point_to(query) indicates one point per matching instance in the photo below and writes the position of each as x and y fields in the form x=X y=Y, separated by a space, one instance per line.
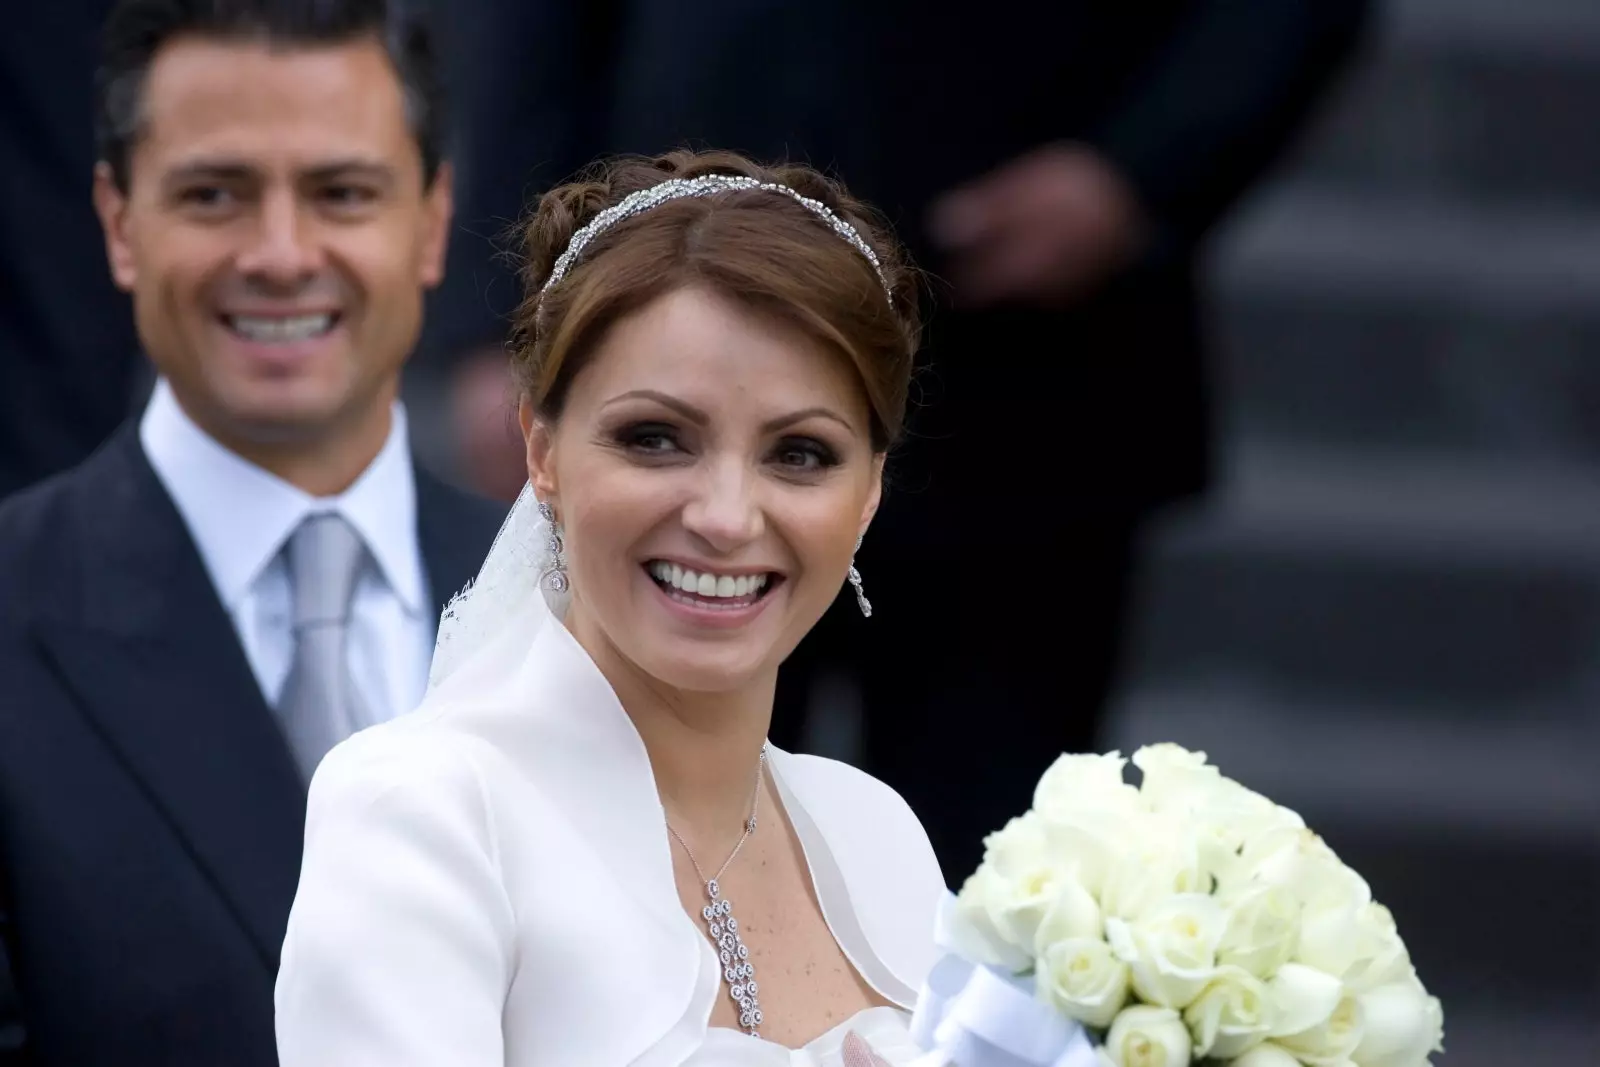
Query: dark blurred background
x=1386 y=611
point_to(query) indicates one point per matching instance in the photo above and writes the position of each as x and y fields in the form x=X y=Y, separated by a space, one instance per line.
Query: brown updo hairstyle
x=757 y=247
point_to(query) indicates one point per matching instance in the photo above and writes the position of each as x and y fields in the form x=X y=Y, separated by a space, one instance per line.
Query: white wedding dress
x=883 y=1029
x=488 y=882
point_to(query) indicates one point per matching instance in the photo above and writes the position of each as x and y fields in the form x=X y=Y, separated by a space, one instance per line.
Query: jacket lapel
x=550 y=714
x=153 y=661
x=455 y=532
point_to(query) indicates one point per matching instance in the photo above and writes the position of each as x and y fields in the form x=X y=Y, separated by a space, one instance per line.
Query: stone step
x=1488 y=1036
x=1527 y=782
x=1478 y=97
x=1473 y=586
x=1410 y=322
x=1537 y=30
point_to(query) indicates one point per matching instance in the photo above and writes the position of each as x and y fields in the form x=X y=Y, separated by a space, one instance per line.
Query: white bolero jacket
x=487 y=883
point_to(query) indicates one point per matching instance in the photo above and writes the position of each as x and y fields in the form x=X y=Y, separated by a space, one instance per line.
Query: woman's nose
x=725 y=512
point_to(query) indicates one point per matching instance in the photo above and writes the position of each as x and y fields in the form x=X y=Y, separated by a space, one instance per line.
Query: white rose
x=1228 y=815
x=1332 y=1042
x=1074 y=783
x=1302 y=998
x=1390 y=960
x=1403 y=1025
x=1072 y=915
x=1083 y=980
x=1033 y=880
x=1171 y=950
x=1231 y=1016
x=973 y=932
x=1268 y=1055
x=1148 y=1037
x=1263 y=930
x=1354 y=940
x=1230 y=819
x=1160 y=858
x=1173 y=778
x=1020 y=844
x=1087 y=810
x=1179 y=781
x=1298 y=860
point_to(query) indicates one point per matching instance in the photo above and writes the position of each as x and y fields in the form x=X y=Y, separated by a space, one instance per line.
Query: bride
x=581 y=850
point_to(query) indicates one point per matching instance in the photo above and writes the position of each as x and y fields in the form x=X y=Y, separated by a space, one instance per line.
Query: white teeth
x=280 y=330
x=720 y=586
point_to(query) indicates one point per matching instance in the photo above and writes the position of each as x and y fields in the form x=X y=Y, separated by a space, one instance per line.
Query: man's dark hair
x=137 y=29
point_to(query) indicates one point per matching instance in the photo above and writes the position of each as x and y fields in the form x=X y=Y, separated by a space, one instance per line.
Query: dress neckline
x=885 y=1028
x=833 y=895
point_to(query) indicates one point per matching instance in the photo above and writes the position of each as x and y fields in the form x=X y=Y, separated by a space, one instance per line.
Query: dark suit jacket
x=1102 y=406
x=150 y=815
x=70 y=365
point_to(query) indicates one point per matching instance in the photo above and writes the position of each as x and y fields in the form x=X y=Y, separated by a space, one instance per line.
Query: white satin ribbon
x=971 y=1016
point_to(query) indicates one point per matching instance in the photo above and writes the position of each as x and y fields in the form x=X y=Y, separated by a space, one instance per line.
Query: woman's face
x=712 y=470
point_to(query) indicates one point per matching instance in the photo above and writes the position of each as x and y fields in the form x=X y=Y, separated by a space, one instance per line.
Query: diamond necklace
x=737 y=970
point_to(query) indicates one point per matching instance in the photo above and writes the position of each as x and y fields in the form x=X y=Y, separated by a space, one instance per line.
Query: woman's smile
x=705 y=597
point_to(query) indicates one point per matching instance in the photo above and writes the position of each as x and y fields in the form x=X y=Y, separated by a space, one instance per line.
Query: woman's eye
x=653 y=439
x=805 y=455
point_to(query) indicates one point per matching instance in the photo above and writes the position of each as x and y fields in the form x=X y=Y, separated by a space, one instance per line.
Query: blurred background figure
x=254 y=568
x=70 y=369
x=1056 y=168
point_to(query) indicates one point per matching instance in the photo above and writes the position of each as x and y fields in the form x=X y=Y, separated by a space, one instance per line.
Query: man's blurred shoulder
x=42 y=526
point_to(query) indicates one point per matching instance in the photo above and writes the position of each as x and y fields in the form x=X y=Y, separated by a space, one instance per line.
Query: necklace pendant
x=737 y=971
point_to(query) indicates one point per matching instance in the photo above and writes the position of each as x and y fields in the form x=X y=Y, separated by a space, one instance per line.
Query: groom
x=254 y=569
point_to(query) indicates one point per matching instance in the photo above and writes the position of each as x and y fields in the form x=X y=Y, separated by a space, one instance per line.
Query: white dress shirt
x=240 y=517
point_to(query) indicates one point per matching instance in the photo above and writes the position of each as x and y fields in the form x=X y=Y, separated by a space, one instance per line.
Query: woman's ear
x=874 y=496
x=539 y=438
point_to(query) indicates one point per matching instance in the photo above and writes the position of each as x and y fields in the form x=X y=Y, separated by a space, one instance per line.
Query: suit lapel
x=455 y=531
x=148 y=652
x=153 y=660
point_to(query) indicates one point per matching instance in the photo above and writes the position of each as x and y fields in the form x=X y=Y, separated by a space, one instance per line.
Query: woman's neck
x=704 y=747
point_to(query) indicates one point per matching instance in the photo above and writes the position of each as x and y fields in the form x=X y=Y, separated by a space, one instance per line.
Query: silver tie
x=320 y=705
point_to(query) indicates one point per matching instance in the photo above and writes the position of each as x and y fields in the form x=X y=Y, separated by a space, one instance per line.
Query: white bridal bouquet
x=1186 y=920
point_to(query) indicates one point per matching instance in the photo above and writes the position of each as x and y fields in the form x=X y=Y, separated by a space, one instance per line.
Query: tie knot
x=324 y=555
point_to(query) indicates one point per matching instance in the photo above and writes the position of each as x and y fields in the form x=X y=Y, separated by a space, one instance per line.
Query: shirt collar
x=240 y=515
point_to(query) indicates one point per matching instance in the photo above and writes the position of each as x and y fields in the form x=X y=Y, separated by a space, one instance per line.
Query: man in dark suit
x=254 y=569
x=1056 y=167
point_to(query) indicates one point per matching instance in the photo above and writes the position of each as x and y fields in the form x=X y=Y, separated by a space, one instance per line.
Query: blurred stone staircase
x=1388 y=616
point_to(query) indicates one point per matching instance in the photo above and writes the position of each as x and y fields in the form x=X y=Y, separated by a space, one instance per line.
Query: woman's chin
x=704 y=667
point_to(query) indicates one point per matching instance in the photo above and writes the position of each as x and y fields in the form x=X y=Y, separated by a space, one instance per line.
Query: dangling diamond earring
x=854 y=577
x=554 y=577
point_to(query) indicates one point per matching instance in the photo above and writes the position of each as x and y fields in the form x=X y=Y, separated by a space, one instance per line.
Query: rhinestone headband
x=706 y=185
